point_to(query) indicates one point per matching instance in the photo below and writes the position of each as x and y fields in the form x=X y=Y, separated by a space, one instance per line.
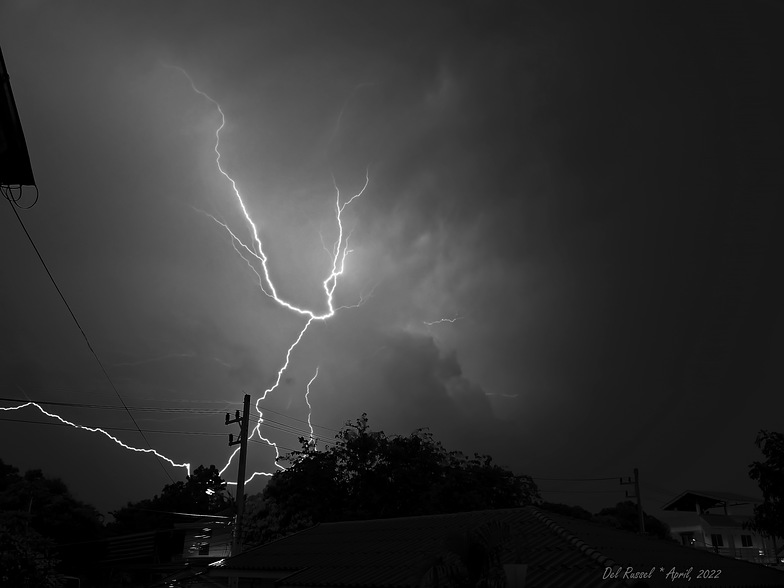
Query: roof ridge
x=432 y=515
x=589 y=551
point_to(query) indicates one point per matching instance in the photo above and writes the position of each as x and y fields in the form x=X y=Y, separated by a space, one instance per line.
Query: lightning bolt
x=443 y=320
x=187 y=466
x=310 y=408
x=255 y=251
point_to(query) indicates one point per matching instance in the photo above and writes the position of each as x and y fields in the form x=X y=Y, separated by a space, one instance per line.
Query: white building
x=715 y=521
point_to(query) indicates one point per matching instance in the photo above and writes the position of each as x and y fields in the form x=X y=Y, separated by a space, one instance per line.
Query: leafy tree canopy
x=42 y=526
x=203 y=492
x=624 y=516
x=367 y=474
x=48 y=505
x=26 y=557
x=769 y=474
x=578 y=512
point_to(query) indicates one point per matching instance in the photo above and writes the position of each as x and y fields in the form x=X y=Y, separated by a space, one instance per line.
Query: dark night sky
x=594 y=191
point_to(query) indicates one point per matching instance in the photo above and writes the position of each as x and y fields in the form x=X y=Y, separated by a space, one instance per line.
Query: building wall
x=683 y=523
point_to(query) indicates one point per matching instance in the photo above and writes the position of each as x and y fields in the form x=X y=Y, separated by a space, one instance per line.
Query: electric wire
x=268 y=423
x=166 y=431
x=157 y=431
x=579 y=491
x=58 y=424
x=8 y=193
x=14 y=206
x=288 y=430
x=573 y=479
x=166 y=409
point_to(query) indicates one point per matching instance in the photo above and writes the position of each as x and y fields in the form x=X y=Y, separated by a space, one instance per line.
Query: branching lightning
x=340 y=251
x=337 y=260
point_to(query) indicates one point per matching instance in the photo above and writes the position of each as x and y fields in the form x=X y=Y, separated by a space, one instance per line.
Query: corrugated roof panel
x=644 y=552
x=560 y=552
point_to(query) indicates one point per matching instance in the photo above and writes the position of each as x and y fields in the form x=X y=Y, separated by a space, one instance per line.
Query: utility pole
x=236 y=542
x=636 y=482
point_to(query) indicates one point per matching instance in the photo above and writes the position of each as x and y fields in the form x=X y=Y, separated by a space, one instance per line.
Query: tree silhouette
x=203 y=492
x=577 y=512
x=769 y=474
x=26 y=557
x=624 y=516
x=42 y=526
x=367 y=474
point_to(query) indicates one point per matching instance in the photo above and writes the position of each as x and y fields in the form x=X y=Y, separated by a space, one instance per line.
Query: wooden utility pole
x=636 y=482
x=236 y=542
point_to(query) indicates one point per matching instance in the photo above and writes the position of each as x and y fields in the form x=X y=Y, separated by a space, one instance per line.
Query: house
x=715 y=521
x=205 y=539
x=140 y=559
x=536 y=549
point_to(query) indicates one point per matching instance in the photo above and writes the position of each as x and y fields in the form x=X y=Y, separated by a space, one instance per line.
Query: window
x=745 y=541
x=204 y=546
x=717 y=540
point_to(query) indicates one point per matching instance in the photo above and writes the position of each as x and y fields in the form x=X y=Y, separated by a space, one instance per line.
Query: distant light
x=209 y=491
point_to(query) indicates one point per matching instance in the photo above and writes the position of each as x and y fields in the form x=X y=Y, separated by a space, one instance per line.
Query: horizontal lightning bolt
x=187 y=466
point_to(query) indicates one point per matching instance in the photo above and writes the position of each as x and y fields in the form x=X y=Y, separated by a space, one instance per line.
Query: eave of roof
x=710 y=496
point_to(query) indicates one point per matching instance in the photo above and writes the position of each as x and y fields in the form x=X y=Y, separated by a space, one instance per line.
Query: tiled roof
x=560 y=552
x=397 y=552
x=131 y=547
x=643 y=553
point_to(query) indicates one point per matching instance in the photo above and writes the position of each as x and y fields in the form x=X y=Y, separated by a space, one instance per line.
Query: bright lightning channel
x=337 y=260
x=187 y=466
x=310 y=408
x=443 y=320
x=338 y=256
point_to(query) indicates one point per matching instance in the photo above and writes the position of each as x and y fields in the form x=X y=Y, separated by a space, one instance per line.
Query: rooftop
x=689 y=500
x=559 y=552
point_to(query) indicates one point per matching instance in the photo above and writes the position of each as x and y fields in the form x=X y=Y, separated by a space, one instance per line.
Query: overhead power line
x=59 y=424
x=575 y=479
x=84 y=335
x=157 y=431
x=160 y=431
x=579 y=491
x=165 y=409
